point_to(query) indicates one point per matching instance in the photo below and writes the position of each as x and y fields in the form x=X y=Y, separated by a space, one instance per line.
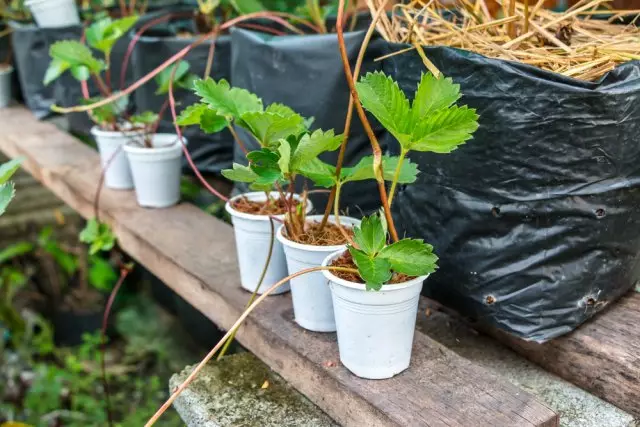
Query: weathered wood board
x=194 y=254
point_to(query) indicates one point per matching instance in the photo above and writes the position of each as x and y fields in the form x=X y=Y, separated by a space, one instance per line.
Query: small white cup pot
x=54 y=13
x=156 y=171
x=112 y=156
x=312 y=303
x=5 y=85
x=253 y=239
x=375 y=328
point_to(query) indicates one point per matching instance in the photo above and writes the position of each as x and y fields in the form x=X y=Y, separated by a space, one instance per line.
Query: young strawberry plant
x=77 y=58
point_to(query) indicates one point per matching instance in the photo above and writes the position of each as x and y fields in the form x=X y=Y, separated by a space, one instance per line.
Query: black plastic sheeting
x=211 y=153
x=305 y=73
x=536 y=219
x=31 y=58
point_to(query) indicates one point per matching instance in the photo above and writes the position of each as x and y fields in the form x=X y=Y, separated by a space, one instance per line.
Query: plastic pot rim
x=259 y=196
x=315 y=248
x=361 y=286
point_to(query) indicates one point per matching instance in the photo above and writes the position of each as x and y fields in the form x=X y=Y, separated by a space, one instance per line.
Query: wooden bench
x=194 y=254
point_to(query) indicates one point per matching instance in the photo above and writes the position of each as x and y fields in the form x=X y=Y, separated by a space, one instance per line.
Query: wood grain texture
x=194 y=253
x=601 y=356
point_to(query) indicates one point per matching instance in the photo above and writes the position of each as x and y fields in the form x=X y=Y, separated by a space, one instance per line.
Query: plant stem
x=336 y=214
x=231 y=330
x=103 y=333
x=377 y=151
x=349 y=118
x=212 y=49
x=255 y=291
x=237 y=139
x=101 y=86
x=396 y=175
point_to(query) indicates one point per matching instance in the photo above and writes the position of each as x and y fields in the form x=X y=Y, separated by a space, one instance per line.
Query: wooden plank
x=194 y=253
x=602 y=356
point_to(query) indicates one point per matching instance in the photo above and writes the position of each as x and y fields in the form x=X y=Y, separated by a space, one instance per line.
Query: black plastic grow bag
x=211 y=153
x=305 y=72
x=536 y=219
x=31 y=55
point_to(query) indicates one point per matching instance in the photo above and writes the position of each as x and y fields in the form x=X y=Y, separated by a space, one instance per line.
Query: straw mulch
x=574 y=43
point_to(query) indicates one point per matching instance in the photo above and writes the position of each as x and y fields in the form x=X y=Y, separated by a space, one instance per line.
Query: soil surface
x=270 y=207
x=330 y=235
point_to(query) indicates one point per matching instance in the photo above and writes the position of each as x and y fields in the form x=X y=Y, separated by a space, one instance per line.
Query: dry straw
x=573 y=43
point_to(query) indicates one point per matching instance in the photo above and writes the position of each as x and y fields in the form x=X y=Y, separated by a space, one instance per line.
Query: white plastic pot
x=113 y=158
x=375 y=328
x=253 y=239
x=54 y=13
x=156 y=171
x=312 y=304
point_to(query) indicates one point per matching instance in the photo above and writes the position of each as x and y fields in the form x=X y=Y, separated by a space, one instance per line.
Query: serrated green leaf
x=80 y=72
x=280 y=109
x=410 y=256
x=381 y=96
x=322 y=174
x=314 y=144
x=374 y=271
x=432 y=94
x=371 y=235
x=54 y=70
x=7 y=169
x=225 y=100
x=98 y=235
x=7 y=192
x=144 y=118
x=444 y=130
x=164 y=77
x=269 y=128
x=71 y=53
x=285 y=156
x=191 y=115
x=212 y=122
x=363 y=170
x=104 y=33
x=240 y=173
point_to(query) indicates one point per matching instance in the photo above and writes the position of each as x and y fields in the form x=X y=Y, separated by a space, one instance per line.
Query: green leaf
x=107 y=113
x=98 y=235
x=265 y=164
x=80 y=72
x=102 y=276
x=9 y=168
x=225 y=100
x=445 y=130
x=191 y=115
x=312 y=145
x=164 y=77
x=244 y=7
x=240 y=173
x=382 y=97
x=7 y=192
x=371 y=235
x=410 y=256
x=144 y=118
x=212 y=122
x=269 y=128
x=285 y=156
x=363 y=170
x=71 y=53
x=103 y=34
x=15 y=250
x=322 y=174
x=55 y=70
x=433 y=93
x=374 y=271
